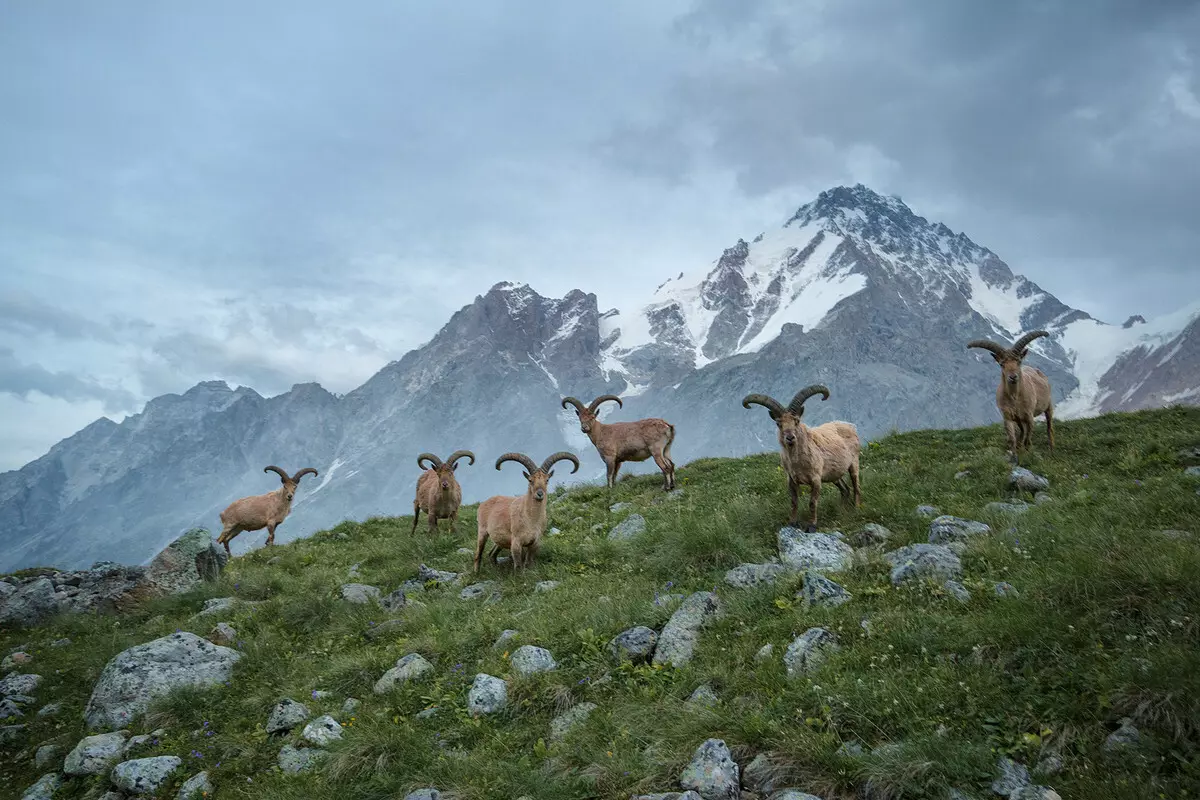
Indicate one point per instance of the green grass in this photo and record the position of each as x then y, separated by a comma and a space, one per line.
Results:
1107, 625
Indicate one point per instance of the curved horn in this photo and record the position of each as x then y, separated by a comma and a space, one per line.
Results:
797, 404
997, 350
522, 459
1023, 343
561, 455
283, 476
573, 401
296, 478
770, 403
457, 454
604, 398
434, 461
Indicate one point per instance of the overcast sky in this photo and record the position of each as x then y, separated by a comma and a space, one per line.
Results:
282, 191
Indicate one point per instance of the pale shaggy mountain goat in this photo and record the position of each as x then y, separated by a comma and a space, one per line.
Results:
617, 442
438, 492
261, 510
1023, 393
516, 523
811, 456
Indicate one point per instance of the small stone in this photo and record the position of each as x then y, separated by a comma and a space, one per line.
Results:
488, 695
408, 668
350, 706
928, 511
273, 560
677, 642
851, 749
1005, 589
428, 713
948, 528
144, 775
46, 754
807, 651
821, 551
636, 645
712, 773
919, 561
763, 775
820, 591
1042, 498
528, 659
1051, 764
662, 601
1026, 481
195, 788
61, 643
294, 760
576, 714
1007, 508
1124, 737
545, 586
428, 793
957, 591
14, 660
394, 600
322, 730
1011, 778
631, 526
617, 508
745, 576
95, 754
553, 532
704, 696
465, 551
961, 474
360, 593
10, 710
11, 733
388, 627
764, 653
870, 535
44, 788
286, 715
477, 591
223, 633
504, 638
353, 571
217, 605
17, 683
426, 574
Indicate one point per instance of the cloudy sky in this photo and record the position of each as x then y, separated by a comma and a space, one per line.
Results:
292, 190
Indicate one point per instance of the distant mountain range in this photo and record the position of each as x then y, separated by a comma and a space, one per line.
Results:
854, 290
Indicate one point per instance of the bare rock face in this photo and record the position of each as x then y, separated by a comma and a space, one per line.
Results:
138, 675
185, 563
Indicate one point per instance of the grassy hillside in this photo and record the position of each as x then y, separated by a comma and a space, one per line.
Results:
1106, 625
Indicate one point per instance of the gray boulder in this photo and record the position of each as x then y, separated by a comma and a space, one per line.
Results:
294, 760
428, 793
322, 730
140, 674
95, 754
871, 534
636, 645
677, 642
563, 723
144, 775
997, 507
745, 576
820, 591
631, 526
30, 604
360, 593
545, 586
712, 772
528, 659
488, 695
185, 563
957, 591
394, 600
1125, 737
1026, 481
821, 551
222, 633
286, 714
408, 668
764, 775
46, 755
947, 528
1005, 589
477, 591
920, 561
765, 652
18, 683
506, 636
44, 788
195, 788
704, 696
928, 511
807, 651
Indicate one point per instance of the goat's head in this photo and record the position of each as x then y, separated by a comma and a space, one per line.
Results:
538, 477
445, 469
1009, 358
290, 482
587, 414
787, 420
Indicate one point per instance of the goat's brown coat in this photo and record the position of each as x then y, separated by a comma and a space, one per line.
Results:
261, 510
617, 442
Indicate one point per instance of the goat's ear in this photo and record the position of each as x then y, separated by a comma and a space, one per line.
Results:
526, 474
549, 475
996, 357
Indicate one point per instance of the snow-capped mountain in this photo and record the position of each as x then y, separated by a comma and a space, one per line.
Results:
853, 290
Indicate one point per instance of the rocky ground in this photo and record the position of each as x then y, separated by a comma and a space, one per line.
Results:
972, 631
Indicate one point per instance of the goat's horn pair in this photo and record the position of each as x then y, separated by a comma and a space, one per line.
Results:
574, 401
1017, 350
797, 404
561, 455
527, 462
997, 350
604, 398
776, 409
457, 454
293, 478
434, 461
522, 459
770, 403
1023, 343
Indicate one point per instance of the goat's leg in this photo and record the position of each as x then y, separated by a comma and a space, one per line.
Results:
1050, 427
616, 467
433, 518
665, 466
495, 554
814, 497
1010, 428
480, 541
670, 464
227, 533
518, 554
854, 480
1026, 425
271, 533
454, 520
843, 489
794, 491
416, 515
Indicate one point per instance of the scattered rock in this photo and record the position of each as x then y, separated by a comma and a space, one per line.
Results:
689, 795
386, 628
1123, 738
426, 574
504, 638
820, 591
852, 749
46, 754
428, 793
917, 561
32, 603
528, 659
360, 593
576, 714
957, 591
712, 773
1042, 497
745, 576
144, 775
871, 534
636, 645
677, 642
479, 590
617, 508
294, 760
273, 560
488, 695
64, 642
545, 586
1005, 589
553, 532
961, 474
286, 715
136, 743
1010, 779
14, 660
808, 651
353, 571
11, 733
765, 652
821, 551
223, 633
704, 696
1019, 507
631, 526
322, 730
394, 600
19, 684
793, 794
763, 775
1026, 481
95, 754
664, 600
1050, 764
185, 563
427, 713
928, 511
408, 668
44, 788
133, 678
196, 787
350, 706
10, 710
950, 529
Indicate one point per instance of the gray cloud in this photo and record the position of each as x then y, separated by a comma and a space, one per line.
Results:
25, 314
22, 380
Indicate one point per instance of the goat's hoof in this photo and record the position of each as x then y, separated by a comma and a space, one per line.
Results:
810, 529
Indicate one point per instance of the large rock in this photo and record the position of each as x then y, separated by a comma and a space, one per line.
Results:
185, 563
286, 714
95, 754
18, 683
488, 695
360, 593
528, 659
807, 651
196, 787
918, 561
144, 775
322, 730
408, 668
820, 591
45, 787
294, 760
29, 604
1026, 481
712, 773
947, 528
633, 525
132, 679
636, 645
820, 551
677, 642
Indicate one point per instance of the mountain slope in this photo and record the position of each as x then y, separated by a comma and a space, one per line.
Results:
853, 290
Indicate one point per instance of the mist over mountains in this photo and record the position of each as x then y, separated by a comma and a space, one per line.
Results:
854, 290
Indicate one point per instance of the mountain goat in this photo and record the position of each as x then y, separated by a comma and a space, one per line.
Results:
261, 510
618, 442
1023, 393
438, 492
516, 523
